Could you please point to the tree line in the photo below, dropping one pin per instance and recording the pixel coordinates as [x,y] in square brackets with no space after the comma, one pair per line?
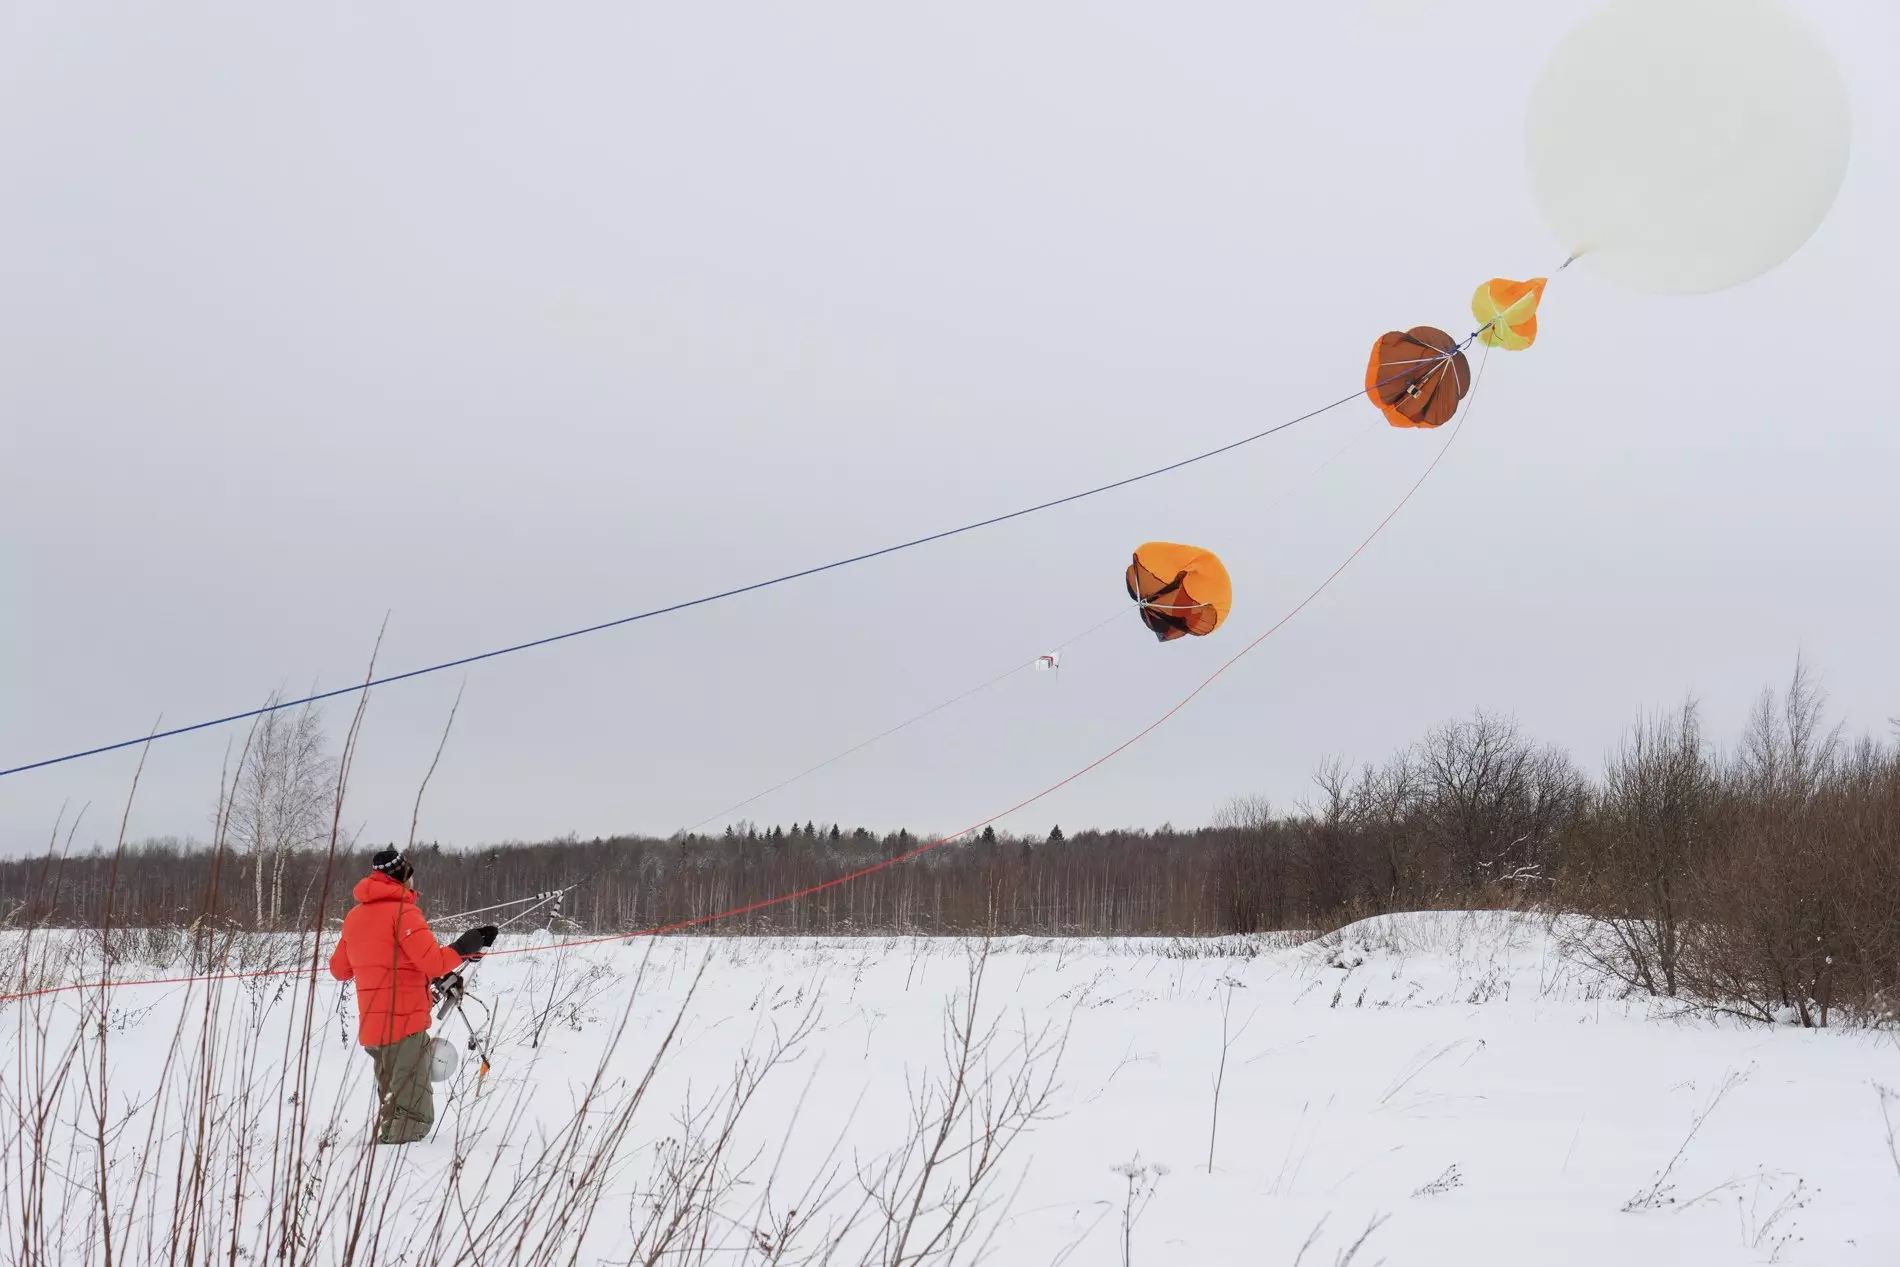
[1764,878]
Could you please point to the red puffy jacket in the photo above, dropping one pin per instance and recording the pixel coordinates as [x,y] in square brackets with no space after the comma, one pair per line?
[389,951]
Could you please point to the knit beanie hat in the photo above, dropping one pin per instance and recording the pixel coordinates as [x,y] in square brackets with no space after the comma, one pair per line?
[392,862]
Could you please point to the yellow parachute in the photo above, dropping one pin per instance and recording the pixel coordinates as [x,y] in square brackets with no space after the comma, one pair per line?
[1507,312]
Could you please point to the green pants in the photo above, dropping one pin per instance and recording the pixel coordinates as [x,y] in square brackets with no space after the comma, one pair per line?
[406,1100]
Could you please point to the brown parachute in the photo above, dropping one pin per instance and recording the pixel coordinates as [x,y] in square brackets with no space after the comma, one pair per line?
[1417,377]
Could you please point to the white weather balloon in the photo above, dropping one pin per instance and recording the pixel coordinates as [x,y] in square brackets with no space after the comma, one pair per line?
[1685,146]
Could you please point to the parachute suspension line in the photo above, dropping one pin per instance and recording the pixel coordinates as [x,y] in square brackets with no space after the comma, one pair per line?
[537,898]
[1120,611]
[927,846]
[684,605]
[552,901]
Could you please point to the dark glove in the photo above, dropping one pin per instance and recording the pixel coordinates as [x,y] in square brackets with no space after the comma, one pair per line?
[471,944]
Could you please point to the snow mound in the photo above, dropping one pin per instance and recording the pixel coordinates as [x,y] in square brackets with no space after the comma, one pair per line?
[1437,957]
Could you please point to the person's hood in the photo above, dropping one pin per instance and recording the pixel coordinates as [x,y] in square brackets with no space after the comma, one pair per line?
[377,887]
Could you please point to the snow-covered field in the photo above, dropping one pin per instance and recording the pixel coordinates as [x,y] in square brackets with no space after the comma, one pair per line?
[1447,1081]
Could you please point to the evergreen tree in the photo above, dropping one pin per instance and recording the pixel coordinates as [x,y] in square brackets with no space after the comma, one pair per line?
[1055,834]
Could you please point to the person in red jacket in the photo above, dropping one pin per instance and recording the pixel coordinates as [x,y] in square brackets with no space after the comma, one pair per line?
[388,950]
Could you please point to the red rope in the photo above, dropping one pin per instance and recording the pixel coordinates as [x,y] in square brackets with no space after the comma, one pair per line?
[920,850]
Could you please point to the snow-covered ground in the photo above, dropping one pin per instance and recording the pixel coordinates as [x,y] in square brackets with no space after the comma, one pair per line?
[1446,1080]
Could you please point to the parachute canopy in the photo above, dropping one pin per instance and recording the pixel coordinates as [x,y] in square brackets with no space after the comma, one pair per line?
[1507,312]
[1181,589]
[1417,377]
[1685,146]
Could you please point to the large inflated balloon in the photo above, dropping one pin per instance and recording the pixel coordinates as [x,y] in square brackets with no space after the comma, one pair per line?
[1683,146]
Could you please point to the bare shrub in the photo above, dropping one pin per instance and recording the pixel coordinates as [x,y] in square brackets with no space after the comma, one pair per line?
[1660,1192]
[1142,1180]
[1345,1256]
[933,1195]
[1799,905]
[1496,802]
[1648,842]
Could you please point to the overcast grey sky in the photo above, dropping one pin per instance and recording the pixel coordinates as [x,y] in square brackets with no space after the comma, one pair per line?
[503,319]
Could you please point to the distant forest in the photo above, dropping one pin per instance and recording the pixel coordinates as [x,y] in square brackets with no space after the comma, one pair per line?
[1768,873]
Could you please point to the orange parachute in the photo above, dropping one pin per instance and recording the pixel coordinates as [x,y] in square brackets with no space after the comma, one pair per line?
[1507,312]
[1181,589]
[1417,377]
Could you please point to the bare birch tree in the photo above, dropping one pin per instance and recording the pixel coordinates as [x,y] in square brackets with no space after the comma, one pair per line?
[282,801]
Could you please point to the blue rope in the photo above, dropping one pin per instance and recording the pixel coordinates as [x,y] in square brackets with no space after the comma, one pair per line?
[704,600]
